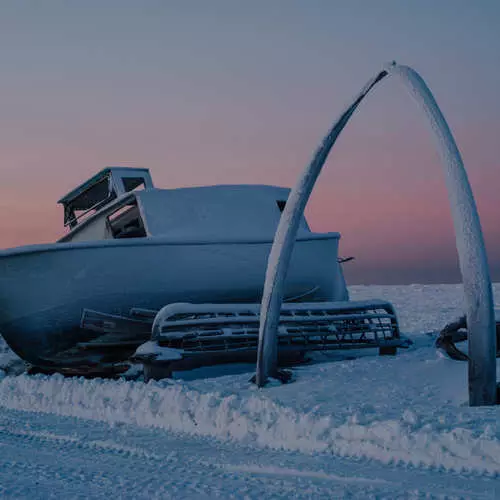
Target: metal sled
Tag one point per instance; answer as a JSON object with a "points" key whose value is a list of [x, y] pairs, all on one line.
{"points": [[189, 335]]}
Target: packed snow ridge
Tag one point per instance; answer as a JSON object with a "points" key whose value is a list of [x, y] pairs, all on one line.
{"points": [[410, 409], [258, 420]]}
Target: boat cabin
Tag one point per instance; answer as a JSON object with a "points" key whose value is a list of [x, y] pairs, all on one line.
{"points": [[101, 189], [121, 202]]}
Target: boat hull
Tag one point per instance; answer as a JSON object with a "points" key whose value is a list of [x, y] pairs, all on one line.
{"points": [[44, 289]]}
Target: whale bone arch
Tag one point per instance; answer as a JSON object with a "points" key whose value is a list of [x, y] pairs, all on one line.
{"points": [[468, 234]]}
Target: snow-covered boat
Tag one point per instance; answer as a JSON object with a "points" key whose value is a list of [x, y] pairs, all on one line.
{"points": [[131, 245]]}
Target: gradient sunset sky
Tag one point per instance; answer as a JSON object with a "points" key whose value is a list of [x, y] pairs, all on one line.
{"points": [[208, 92]]}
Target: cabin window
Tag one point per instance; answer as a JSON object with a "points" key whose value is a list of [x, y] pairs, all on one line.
{"points": [[133, 183], [88, 202], [126, 222], [281, 204]]}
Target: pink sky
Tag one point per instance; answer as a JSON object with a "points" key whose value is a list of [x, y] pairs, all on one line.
{"points": [[229, 95], [388, 200]]}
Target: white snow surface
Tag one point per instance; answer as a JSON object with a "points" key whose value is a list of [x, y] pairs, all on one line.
{"points": [[410, 410], [158, 352]]}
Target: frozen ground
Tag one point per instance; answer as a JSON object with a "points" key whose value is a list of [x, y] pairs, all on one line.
{"points": [[367, 427]]}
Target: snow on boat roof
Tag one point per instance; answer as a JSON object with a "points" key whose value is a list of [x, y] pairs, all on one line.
{"points": [[215, 211]]}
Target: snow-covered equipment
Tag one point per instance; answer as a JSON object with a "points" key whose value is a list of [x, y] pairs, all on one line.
{"points": [[190, 335], [183, 336]]}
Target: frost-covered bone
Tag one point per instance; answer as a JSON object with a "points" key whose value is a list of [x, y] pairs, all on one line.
{"points": [[281, 251], [470, 247], [469, 240]]}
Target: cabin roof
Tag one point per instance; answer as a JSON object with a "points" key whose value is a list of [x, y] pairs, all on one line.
{"points": [[214, 211], [95, 179]]}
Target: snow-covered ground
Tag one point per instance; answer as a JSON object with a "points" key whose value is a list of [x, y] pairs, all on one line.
{"points": [[391, 427]]}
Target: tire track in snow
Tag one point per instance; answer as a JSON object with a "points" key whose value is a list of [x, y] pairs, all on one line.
{"points": [[283, 471], [388, 485], [109, 446], [44, 452], [252, 419]]}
